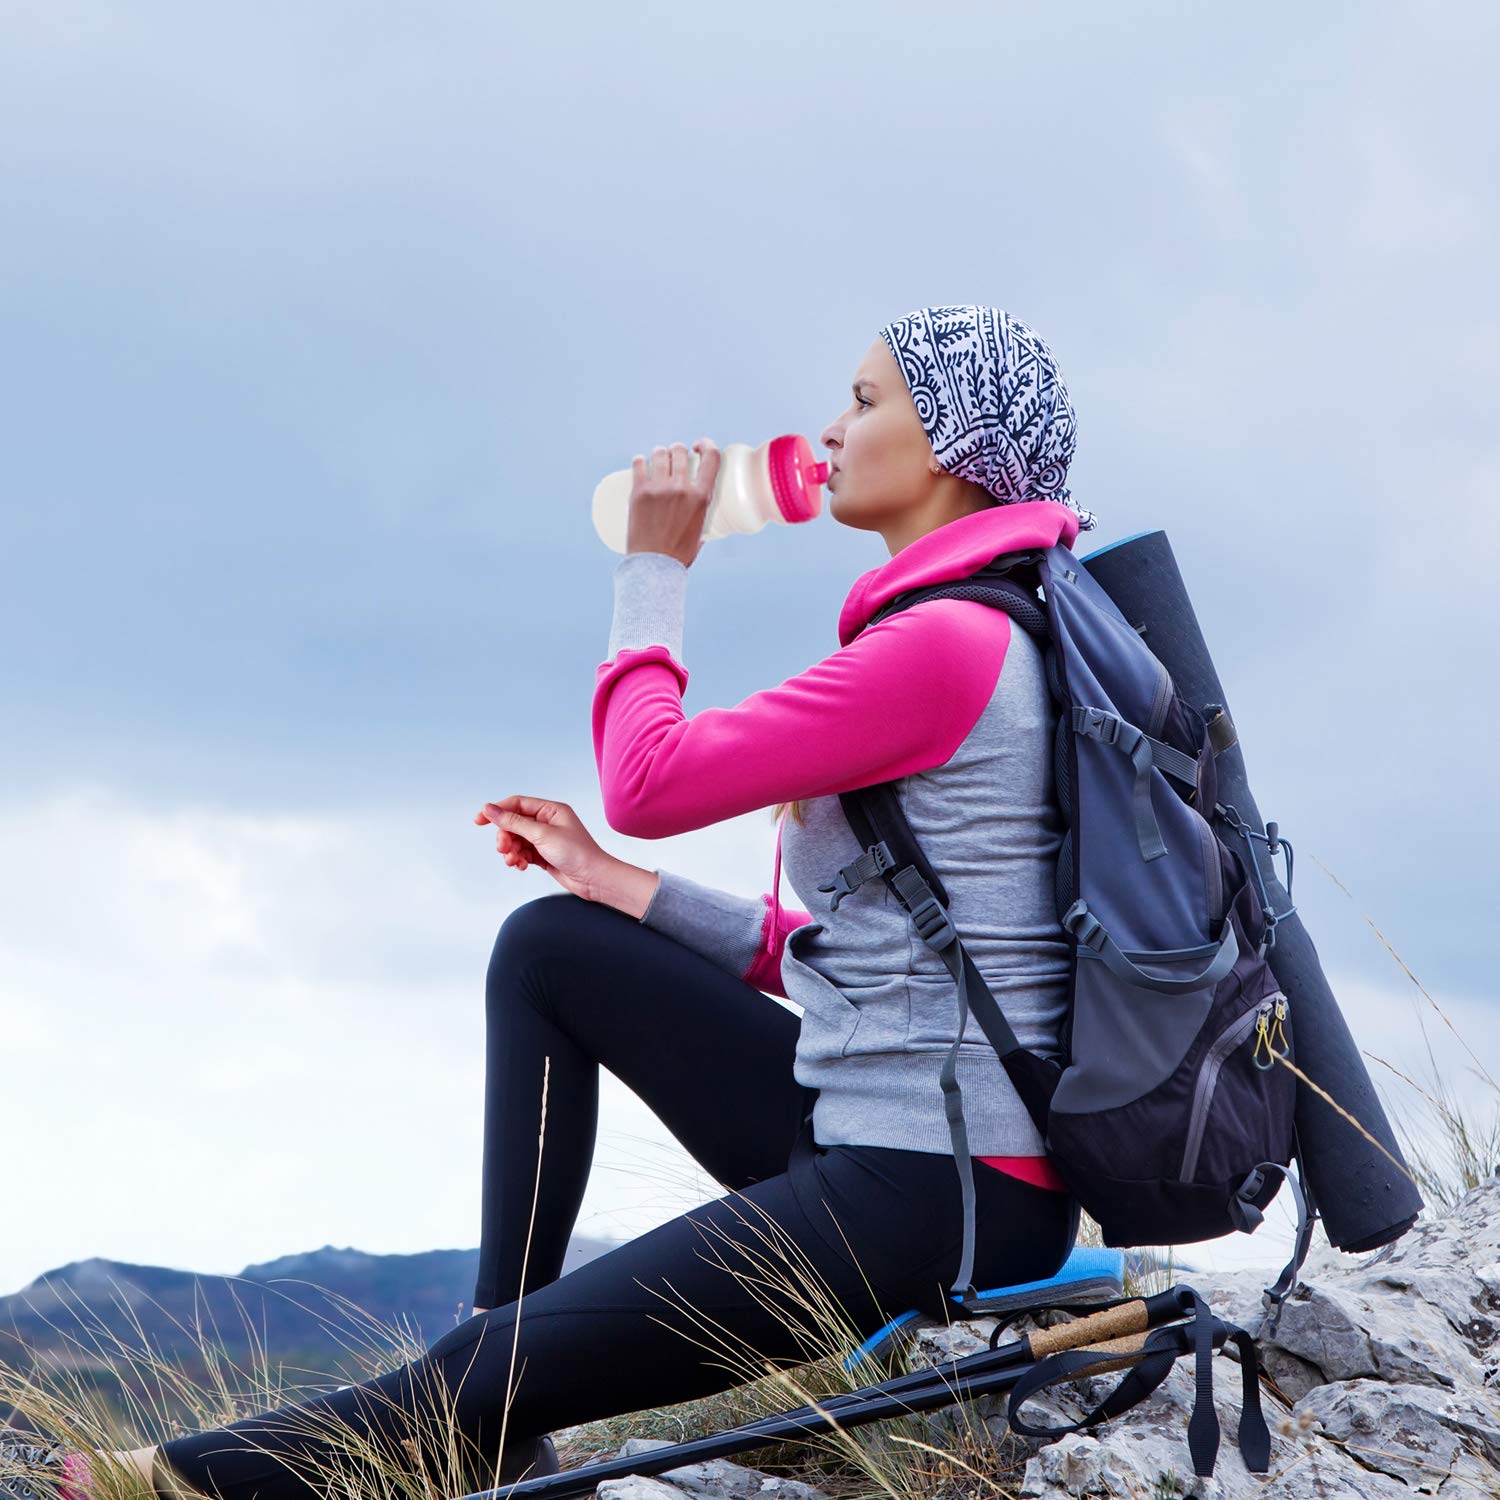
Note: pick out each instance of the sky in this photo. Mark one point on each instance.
(320, 325)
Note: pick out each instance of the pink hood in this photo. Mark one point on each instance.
(954, 551)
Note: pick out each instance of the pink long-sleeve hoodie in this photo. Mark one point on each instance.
(945, 699)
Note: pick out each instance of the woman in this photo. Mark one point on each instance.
(955, 448)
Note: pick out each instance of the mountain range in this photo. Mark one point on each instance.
(309, 1313)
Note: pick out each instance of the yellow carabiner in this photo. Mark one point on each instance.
(1281, 1032)
(1262, 1033)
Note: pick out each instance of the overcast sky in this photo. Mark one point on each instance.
(320, 324)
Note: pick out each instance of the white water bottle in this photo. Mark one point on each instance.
(778, 481)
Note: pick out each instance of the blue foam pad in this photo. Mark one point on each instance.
(1100, 551)
(1089, 1274)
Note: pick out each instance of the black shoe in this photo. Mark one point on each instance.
(31, 1467)
(529, 1459)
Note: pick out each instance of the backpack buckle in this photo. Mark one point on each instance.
(840, 887)
(931, 920)
(875, 860)
(1097, 724)
(1084, 925)
(1243, 1214)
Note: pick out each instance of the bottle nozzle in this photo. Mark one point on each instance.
(817, 474)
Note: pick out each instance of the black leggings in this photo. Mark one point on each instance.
(664, 1318)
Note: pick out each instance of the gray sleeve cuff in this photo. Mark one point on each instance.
(650, 601)
(723, 927)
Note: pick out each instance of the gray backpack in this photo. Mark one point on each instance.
(1167, 1113)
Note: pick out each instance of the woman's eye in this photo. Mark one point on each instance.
(861, 400)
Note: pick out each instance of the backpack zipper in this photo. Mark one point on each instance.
(1208, 1075)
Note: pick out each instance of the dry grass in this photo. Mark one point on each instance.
(908, 1457)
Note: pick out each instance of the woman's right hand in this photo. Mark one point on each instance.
(550, 835)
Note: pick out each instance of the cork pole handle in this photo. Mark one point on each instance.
(1112, 1323)
(1125, 1351)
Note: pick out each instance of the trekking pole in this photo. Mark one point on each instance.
(1120, 1336)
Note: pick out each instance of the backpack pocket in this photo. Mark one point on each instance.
(1161, 1165)
(1137, 1036)
(1241, 1045)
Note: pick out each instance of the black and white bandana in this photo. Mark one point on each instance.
(989, 393)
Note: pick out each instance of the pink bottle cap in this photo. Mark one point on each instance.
(795, 478)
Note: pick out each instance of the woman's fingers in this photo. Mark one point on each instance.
(516, 802)
(672, 462)
(508, 813)
(511, 831)
(510, 828)
(540, 831)
(708, 464)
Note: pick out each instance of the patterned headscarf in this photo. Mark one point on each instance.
(991, 398)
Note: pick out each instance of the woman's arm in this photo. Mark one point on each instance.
(899, 698)
(624, 886)
(741, 934)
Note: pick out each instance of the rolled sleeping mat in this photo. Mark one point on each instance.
(1364, 1199)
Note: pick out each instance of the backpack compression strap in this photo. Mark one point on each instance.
(1248, 1217)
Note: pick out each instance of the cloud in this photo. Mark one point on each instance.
(234, 1035)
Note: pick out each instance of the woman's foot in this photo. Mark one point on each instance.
(528, 1460)
(31, 1467)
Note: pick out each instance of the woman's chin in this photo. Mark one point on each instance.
(843, 513)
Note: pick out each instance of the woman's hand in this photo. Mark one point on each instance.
(550, 835)
(667, 506)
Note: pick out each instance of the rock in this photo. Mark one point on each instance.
(1388, 1357)
(631, 1446)
(1414, 1432)
(717, 1479)
(637, 1487)
(778, 1488)
(713, 1479)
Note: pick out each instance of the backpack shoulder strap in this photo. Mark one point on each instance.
(1007, 582)
(892, 853)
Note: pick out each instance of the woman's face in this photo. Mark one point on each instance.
(882, 476)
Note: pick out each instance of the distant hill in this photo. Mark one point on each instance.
(292, 1310)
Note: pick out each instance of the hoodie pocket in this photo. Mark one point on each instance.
(828, 1019)
(884, 1018)
(932, 1019)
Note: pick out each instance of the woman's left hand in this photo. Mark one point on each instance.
(667, 504)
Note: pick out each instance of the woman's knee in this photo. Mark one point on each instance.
(536, 932)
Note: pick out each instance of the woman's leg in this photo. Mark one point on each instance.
(586, 986)
(665, 1318)
(582, 984)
